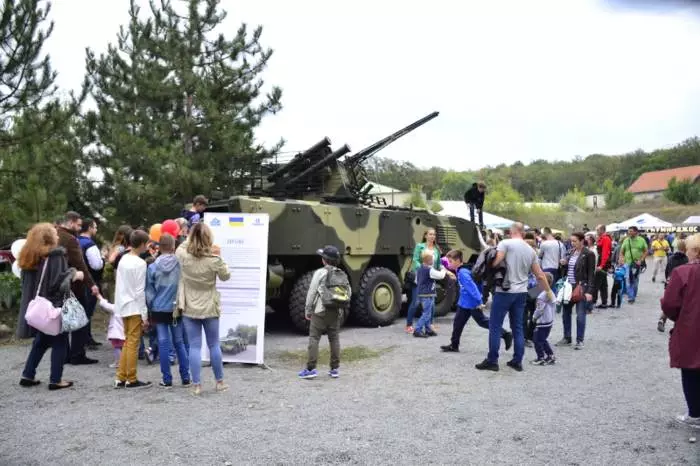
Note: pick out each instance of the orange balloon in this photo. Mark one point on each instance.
(155, 232)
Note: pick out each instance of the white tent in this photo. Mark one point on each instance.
(692, 220)
(643, 221)
(460, 209)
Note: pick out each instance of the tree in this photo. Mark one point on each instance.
(616, 196)
(574, 199)
(501, 196)
(454, 185)
(177, 110)
(416, 199)
(27, 80)
(686, 192)
(435, 206)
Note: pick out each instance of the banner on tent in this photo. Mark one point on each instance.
(672, 229)
(243, 242)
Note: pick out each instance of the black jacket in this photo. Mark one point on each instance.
(473, 196)
(484, 272)
(584, 271)
(56, 284)
(676, 259)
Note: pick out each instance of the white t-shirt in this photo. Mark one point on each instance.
(551, 252)
(130, 289)
(519, 259)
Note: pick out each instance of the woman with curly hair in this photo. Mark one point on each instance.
(45, 273)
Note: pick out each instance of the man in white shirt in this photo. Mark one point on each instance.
(95, 263)
(552, 253)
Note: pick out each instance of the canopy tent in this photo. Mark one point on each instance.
(460, 209)
(640, 221)
(692, 220)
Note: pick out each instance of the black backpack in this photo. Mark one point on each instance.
(335, 290)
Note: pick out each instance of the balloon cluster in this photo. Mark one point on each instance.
(159, 229)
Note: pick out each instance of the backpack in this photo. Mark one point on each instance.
(480, 267)
(335, 290)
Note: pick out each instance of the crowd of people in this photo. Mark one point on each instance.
(165, 288)
(168, 284)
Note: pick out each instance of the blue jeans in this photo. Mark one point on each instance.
(172, 336)
(580, 320)
(412, 306)
(428, 305)
(194, 327)
(513, 305)
(542, 347)
(633, 283)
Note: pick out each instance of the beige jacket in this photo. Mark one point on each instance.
(197, 297)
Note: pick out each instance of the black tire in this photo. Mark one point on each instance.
(366, 310)
(297, 304)
(446, 297)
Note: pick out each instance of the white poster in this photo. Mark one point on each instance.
(243, 242)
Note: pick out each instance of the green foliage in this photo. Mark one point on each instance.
(454, 185)
(574, 199)
(435, 206)
(10, 290)
(501, 196)
(177, 109)
(247, 332)
(416, 199)
(616, 196)
(685, 192)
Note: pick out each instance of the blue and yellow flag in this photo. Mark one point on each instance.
(235, 221)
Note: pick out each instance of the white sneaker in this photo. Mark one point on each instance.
(114, 365)
(693, 422)
(579, 345)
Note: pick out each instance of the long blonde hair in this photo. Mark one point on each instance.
(200, 240)
(41, 239)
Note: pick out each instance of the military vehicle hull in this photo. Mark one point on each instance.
(376, 244)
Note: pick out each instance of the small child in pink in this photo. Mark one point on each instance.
(115, 331)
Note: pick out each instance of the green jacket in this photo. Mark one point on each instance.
(633, 249)
(418, 252)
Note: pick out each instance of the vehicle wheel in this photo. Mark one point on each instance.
(378, 298)
(446, 297)
(297, 302)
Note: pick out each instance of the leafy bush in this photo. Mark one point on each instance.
(616, 196)
(574, 199)
(435, 206)
(10, 290)
(684, 192)
(416, 199)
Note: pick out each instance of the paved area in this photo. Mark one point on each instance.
(609, 404)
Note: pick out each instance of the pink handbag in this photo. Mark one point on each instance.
(41, 314)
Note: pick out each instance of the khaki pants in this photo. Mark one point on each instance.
(659, 266)
(320, 323)
(130, 351)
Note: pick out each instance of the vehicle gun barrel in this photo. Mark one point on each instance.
(369, 151)
(318, 165)
(298, 159)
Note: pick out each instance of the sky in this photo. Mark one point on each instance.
(512, 80)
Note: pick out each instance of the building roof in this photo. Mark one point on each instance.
(658, 180)
(382, 189)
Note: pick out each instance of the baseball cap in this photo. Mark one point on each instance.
(329, 252)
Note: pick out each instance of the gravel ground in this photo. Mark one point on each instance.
(609, 404)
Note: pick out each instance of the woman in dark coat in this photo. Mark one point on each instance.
(681, 304)
(580, 270)
(42, 249)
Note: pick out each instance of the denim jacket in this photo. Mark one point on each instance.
(161, 283)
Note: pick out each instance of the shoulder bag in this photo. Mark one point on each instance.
(73, 314)
(41, 314)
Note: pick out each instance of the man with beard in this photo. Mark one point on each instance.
(69, 227)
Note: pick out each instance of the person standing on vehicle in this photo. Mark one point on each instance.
(95, 262)
(603, 266)
(474, 198)
(633, 252)
(520, 260)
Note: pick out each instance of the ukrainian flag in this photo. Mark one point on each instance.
(235, 221)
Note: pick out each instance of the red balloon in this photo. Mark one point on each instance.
(170, 227)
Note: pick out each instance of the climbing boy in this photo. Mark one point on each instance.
(328, 296)
(468, 305)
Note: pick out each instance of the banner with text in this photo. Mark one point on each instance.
(243, 242)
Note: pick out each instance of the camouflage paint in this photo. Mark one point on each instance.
(365, 235)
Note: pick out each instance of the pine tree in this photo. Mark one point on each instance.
(27, 80)
(177, 110)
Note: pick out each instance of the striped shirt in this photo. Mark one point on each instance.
(571, 270)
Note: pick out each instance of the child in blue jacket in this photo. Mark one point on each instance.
(469, 304)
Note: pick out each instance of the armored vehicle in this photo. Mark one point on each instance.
(317, 199)
(233, 345)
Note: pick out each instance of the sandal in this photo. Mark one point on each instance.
(28, 382)
(61, 385)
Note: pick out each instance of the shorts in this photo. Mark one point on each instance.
(116, 344)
